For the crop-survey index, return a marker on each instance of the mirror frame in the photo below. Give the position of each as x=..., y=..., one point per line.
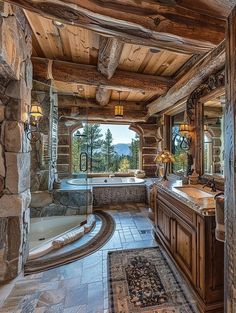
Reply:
x=212, y=88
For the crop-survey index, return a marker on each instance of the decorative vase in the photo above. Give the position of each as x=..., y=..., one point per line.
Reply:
x=164, y=177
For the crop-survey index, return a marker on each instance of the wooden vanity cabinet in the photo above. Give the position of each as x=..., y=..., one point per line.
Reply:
x=189, y=239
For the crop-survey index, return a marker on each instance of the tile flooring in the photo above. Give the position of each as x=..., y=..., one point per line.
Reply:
x=82, y=286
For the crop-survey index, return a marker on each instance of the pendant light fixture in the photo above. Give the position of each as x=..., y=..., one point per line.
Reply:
x=119, y=109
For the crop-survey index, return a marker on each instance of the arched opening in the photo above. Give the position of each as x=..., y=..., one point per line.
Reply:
x=110, y=148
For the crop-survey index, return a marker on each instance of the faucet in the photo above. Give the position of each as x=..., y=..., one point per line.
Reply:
x=111, y=175
x=211, y=183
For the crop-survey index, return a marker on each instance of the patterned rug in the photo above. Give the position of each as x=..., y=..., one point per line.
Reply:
x=142, y=280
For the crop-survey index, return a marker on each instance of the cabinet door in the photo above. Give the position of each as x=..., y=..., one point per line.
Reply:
x=163, y=223
x=184, y=247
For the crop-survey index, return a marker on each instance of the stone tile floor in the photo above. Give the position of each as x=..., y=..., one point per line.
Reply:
x=82, y=286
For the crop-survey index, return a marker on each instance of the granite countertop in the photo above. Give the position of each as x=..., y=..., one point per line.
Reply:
x=202, y=205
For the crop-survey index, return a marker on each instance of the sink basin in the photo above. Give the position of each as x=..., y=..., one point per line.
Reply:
x=195, y=192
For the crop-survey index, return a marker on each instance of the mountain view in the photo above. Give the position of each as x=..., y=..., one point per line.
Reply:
x=122, y=149
x=102, y=155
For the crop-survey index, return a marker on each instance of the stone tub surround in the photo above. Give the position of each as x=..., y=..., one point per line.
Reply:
x=15, y=101
x=62, y=202
x=204, y=206
x=118, y=194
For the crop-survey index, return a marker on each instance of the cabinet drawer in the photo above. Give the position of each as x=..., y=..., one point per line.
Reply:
x=184, y=212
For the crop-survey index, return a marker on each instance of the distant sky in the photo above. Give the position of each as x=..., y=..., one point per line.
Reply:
x=120, y=133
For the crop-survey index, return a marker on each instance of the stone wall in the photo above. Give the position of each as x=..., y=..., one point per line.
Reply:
x=44, y=151
x=15, y=100
x=149, y=143
x=63, y=161
x=65, y=131
x=61, y=203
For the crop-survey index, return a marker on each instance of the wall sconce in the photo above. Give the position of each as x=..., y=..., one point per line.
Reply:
x=184, y=131
x=205, y=128
x=119, y=109
x=31, y=126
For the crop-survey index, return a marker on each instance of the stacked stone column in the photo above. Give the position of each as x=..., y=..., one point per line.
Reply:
x=148, y=149
x=15, y=101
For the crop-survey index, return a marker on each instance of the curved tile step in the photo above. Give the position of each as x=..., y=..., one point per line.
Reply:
x=47, y=262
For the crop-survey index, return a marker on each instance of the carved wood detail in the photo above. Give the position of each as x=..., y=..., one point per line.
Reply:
x=213, y=82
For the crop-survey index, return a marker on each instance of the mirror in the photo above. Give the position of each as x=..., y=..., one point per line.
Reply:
x=213, y=111
x=179, y=145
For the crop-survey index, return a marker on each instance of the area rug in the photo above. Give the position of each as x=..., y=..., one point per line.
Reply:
x=142, y=280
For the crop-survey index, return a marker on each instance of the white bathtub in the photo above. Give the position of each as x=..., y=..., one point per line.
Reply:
x=43, y=229
x=110, y=181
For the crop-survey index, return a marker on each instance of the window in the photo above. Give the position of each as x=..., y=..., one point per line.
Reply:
x=108, y=148
x=208, y=153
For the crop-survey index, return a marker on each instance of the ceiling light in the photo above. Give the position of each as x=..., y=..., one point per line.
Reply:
x=58, y=24
x=119, y=109
x=80, y=88
x=154, y=50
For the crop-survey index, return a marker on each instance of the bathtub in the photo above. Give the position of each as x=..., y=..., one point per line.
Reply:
x=44, y=229
x=109, y=181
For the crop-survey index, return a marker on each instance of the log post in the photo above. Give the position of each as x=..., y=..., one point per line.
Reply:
x=230, y=169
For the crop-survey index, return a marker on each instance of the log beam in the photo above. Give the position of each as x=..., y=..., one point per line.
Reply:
x=105, y=115
x=103, y=96
x=110, y=50
x=44, y=69
x=151, y=23
x=67, y=101
x=211, y=63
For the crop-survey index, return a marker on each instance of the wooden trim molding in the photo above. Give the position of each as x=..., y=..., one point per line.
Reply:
x=194, y=109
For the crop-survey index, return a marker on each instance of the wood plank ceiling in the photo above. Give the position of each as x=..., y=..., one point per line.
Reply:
x=78, y=45
x=93, y=34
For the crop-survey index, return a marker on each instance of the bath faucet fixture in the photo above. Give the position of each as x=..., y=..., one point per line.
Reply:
x=211, y=183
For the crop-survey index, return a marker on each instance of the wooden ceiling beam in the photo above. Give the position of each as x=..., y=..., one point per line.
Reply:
x=211, y=63
x=104, y=114
x=84, y=74
x=65, y=102
x=151, y=23
x=103, y=95
x=110, y=50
